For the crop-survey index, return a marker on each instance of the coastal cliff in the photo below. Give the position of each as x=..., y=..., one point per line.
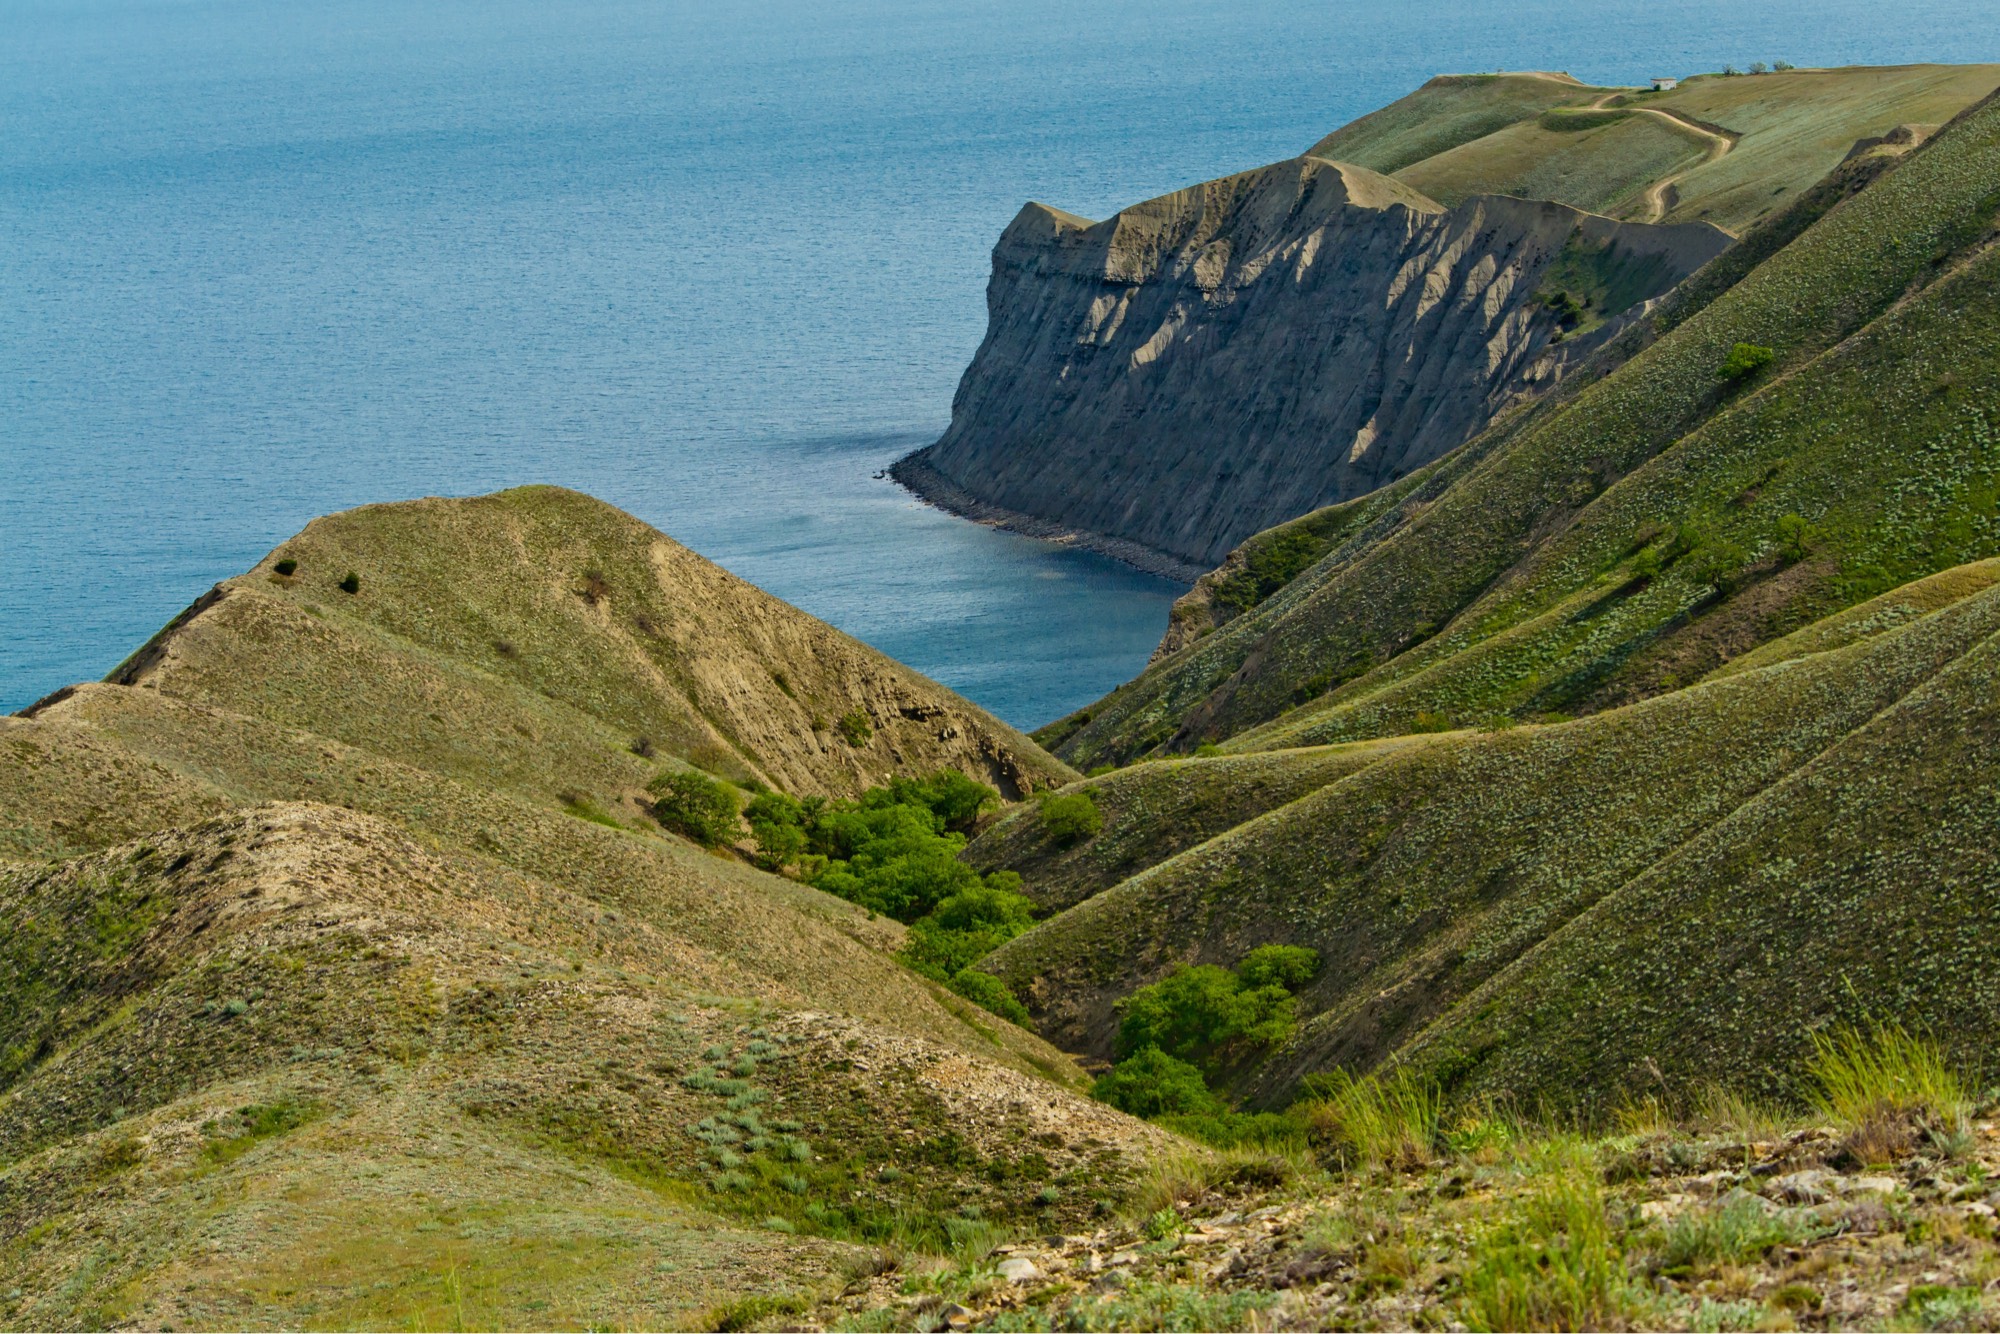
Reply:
x=1204, y=365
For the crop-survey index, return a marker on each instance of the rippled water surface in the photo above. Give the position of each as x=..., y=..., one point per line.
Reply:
x=716, y=263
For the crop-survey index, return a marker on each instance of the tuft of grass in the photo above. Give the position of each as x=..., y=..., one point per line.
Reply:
x=1742, y=1229
x=246, y=1128
x=749, y=1312
x=1892, y=1090
x=1157, y=1306
x=1378, y=1122
x=855, y=728
x=1554, y=1263
x=1184, y=1177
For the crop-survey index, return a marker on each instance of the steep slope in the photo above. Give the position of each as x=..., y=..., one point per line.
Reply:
x=1169, y=381
x=1230, y=356
x=536, y=638
x=344, y=982
x=1678, y=889
x=1656, y=519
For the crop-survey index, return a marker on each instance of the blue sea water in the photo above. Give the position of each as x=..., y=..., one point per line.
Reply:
x=717, y=263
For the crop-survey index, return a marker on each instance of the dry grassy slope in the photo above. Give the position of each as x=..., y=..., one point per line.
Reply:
x=315, y=1009
x=1154, y=811
x=1505, y=581
x=529, y=639
x=1464, y=894
x=1599, y=161
x=1450, y=110
x=507, y=1045
x=1535, y=135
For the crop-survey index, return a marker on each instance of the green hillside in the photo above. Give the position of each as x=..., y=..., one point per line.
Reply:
x=1683, y=677
x=1455, y=890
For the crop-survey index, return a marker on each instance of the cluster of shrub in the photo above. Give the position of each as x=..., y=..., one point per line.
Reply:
x=893, y=850
x=1180, y=1035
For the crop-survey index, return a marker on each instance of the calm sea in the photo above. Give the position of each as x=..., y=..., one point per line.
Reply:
x=717, y=263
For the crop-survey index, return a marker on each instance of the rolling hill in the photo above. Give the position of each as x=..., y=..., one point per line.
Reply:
x=346, y=981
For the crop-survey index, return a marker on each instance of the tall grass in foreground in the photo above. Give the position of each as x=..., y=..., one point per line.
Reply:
x=1552, y=1263
x=1379, y=1122
x=1891, y=1089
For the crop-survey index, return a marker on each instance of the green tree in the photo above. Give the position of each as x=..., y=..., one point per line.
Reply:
x=1152, y=1083
x=964, y=929
x=692, y=804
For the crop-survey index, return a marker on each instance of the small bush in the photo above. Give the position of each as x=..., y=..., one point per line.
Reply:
x=1427, y=721
x=1071, y=819
x=1207, y=750
x=989, y=993
x=350, y=582
x=855, y=728
x=287, y=567
x=692, y=804
x=1151, y=1083
x=1289, y=966
x=1890, y=1089
x=1794, y=538
x=1745, y=360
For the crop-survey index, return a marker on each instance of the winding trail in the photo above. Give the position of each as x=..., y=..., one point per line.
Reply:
x=1719, y=144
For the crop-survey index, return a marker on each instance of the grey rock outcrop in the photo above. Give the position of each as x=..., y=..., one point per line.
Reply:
x=1198, y=367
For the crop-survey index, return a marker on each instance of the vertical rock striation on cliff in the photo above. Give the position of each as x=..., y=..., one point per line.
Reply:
x=1201, y=366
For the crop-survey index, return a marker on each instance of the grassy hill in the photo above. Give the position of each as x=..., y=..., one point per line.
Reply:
x=1679, y=682
x=1720, y=149
x=346, y=981
x=1570, y=914
x=537, y=638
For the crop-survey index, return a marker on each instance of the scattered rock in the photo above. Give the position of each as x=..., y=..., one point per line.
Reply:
x=1808, y=1187
x=1019, y=1269
x=1869, y=1185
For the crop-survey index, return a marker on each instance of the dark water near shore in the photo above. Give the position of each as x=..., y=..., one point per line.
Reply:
x=716, y=263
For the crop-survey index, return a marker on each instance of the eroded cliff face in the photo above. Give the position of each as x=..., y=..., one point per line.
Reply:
x=1201, y=366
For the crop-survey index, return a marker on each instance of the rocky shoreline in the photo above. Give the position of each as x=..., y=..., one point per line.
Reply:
x=920, y=479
